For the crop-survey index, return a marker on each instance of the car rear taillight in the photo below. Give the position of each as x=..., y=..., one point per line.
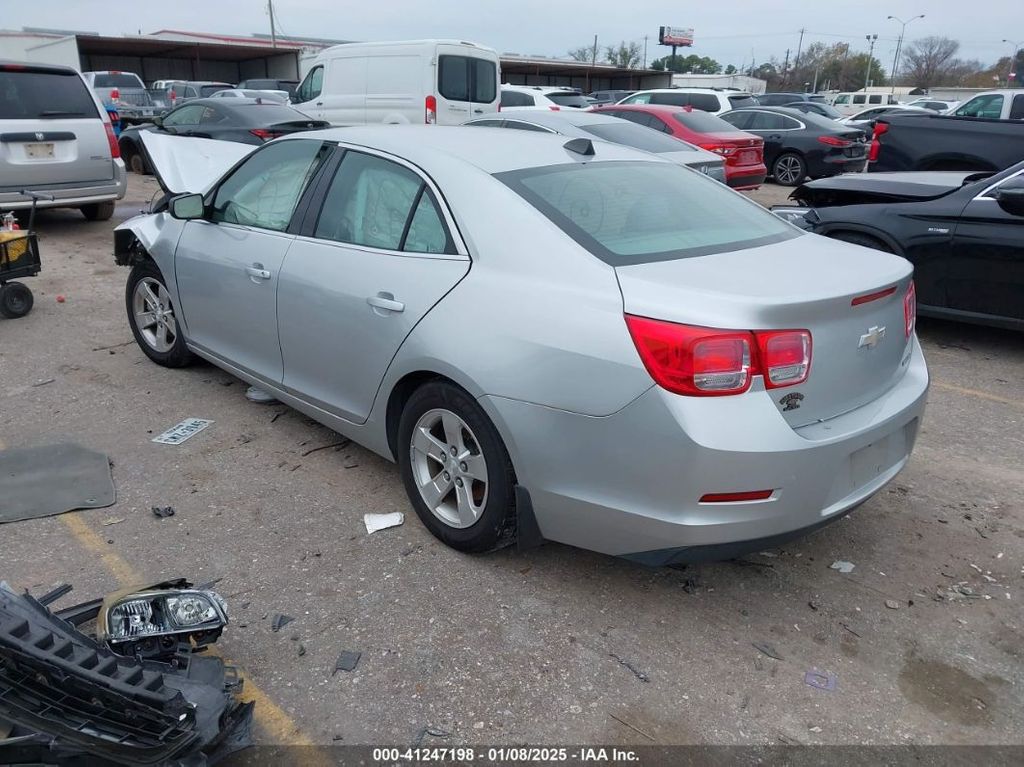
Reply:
x=722, y=149
x=910, y=309
x=784, y=355
x=115, y=149
x=173, y=96
x=115, y=95
x=876, y=145
x=265, y=135
x=430, y=109
x=834, y=141
x=698, y=361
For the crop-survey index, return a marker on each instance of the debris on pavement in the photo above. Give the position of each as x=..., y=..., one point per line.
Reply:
x=892, y=604
x=347, y=661
x=821, y=680
x=280, y=621
x=260, y=397
x=434, y=732
x=767, y=649
x=338, y=445
x=112, y=521
x=182, y=431
x=842, y=566
x=44, y=383
x=375, y=522
x=636, y=672
x=163, y=511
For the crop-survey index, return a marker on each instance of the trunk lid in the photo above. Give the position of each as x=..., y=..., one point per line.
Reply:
x=806, y=283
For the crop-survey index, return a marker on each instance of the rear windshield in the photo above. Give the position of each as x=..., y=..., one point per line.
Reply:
x=465, y=78
x=209, y=90
x=639, y=212
x=746, y=100
x=702, y=122
x=28, y=95
x=119, y=80
x=636, y=136
x=568, y=99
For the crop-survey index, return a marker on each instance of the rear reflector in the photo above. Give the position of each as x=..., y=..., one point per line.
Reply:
x=869, y=297
x=910, y=309
x=750, y=495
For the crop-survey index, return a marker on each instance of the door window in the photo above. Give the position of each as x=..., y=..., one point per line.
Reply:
x=673, y=99
x=1017, y=108
x=844, y=99
x=516, y=99
x=381, y=204
x=770, y=121
x=187, y=115
x=212, y=117
x=707, y=102
x=859, y=98
x=265, y=189
x=875, y=98
x=741, y=120
x=639, y=98
x=311, y=86
x=464, y=78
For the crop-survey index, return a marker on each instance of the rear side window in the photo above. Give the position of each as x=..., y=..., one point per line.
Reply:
x=464, y=78
x=635, y=136
x=638, y=212
x=702, y=122
x=119, y=80
x=1017, y=108
x=875, y=99
x=380, y=204
x=516, y=99
x=29, y=95
x=672, y=99
x=706, y=101
x=857, y=99
x=737, y=102
x=741, y=120
x=569, y=99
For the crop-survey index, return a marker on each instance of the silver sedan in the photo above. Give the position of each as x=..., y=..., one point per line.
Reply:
x=554, y=338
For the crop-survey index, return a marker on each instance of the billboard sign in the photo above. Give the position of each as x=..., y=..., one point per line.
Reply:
x=675, y=36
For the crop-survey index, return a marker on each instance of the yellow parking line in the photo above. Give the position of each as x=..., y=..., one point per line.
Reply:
x=977, y=393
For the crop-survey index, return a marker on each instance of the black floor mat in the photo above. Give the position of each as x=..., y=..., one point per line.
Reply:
x=43, y=481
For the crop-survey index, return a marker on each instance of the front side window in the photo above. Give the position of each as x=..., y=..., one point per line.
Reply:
x=638, y=212
x=639, y=98
x=311, y=86
x=380, y=204
x=264, y=190
x=844, y=99
x=983, y=106
x=466, y=78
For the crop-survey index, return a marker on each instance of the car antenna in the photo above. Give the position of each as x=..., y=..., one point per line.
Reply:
x=582, y=146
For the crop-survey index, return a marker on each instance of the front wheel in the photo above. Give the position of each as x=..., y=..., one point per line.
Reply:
x=456, y=470
x=15, y=300
x=789, y=169
x=152, y=317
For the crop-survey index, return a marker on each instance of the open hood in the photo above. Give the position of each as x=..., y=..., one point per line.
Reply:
x=183, y=164
x=866, y=188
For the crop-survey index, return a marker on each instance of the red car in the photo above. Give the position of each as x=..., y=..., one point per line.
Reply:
x=743, y=152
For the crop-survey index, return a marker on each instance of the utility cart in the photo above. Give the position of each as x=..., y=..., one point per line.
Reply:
x=19, y=257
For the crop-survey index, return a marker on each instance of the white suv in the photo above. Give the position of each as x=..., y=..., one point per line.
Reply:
x=539, y=97
x=704, y=99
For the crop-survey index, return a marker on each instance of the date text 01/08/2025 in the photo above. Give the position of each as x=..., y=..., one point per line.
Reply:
x=505, y=754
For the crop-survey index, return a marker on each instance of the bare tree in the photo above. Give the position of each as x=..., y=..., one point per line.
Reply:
x=931, y=61
x=624, y=55
x=583, y=53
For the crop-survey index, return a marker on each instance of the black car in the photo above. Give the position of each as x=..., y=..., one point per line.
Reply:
x=785, y=99
x=797, y=145
x=248, y=121
x=963, y=231
x=816, y=108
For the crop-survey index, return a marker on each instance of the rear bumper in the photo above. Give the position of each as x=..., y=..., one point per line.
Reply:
x=836, y=165
x=630, y=484
x=69, y=195
x=746, y=178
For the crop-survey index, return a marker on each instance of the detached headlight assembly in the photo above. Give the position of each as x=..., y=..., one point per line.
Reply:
x=153, y=622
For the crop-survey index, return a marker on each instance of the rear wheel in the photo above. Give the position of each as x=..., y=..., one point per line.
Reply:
x=152, y=317
x=98, y=211
x=866, y=240
x=456, y=471
x=789, y=169
x=15, y=300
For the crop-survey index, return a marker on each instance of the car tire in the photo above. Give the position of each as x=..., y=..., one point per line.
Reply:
x=789, y=169
x=15, y=300
x=158, y=334
x=98, y=211
x=463, y=512
x=133, y=158
x=865, y=240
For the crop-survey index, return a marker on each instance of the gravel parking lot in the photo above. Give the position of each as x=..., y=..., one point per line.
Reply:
x=924, y=638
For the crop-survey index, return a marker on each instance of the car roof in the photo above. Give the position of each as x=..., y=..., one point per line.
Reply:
x=540, y=88
x=492, y=151
x=19, y=66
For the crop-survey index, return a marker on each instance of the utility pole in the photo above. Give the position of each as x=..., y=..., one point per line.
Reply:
x=645, y=52
x=1012, y=75
x=785, y=70
x=800, y=47
x=899, y=47
x=593, y=56
x=273, y=31
x=871, y=53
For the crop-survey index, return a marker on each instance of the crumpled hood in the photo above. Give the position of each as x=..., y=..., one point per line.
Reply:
x=183, y=164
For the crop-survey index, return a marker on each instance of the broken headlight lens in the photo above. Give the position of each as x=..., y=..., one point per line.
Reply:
x=152, y=622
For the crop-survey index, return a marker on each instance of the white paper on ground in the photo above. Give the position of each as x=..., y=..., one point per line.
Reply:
x=375, y=522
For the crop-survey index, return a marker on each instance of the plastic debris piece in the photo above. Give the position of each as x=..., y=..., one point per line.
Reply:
x=112, y=521
x=892, y=604
x=182, y=431
x=821, y=680
x=375, y=522
x=767, y=649
x=347, y=661
x=280, y=621
x=163, y=511
x=60, y=298
x=842, y=566
x=260, y=397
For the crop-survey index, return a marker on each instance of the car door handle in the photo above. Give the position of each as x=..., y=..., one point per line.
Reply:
x=256, y=272
x=478, y=111
x=385, y=302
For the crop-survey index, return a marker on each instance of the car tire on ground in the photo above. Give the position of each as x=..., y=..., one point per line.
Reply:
x=456, y=470
x=15, y=300
x=789, y=169
x=865, y=240
x=152, y=317
x=133, y=158
x=98, y=211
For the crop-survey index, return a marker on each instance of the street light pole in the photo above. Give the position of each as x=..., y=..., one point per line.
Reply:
x=1012, y=73
x=871, y=53
x=899, y=46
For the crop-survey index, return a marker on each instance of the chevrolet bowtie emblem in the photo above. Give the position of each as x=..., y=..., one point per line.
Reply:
x=872, y=338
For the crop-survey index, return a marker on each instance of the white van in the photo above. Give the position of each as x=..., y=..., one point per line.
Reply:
x=413, y=81
x=850, y=103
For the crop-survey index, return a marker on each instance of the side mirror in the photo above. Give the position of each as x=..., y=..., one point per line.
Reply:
x=1011, y=200
x=187, y=207
x=158, y=121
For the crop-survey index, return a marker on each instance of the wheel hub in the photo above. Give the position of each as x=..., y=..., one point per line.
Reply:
x=449, y=468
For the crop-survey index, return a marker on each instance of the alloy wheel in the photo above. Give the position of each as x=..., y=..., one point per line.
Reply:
x=788, y=170
x=154, y=315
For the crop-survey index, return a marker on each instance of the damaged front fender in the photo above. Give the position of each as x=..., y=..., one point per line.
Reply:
x=136, y=238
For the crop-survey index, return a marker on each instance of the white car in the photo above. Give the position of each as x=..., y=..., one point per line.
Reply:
x=705, y=99
x=280, y=97
x=933, y=104
x=995, y=105
x=541, y=97
x=870, y=115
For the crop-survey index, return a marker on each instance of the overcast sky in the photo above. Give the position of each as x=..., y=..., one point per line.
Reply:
x=730, y=32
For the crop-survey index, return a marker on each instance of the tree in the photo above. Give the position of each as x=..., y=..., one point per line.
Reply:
x=730, y=69
x=583, y=53
x=692, y=64
x=624, y=55
x=932, y=61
